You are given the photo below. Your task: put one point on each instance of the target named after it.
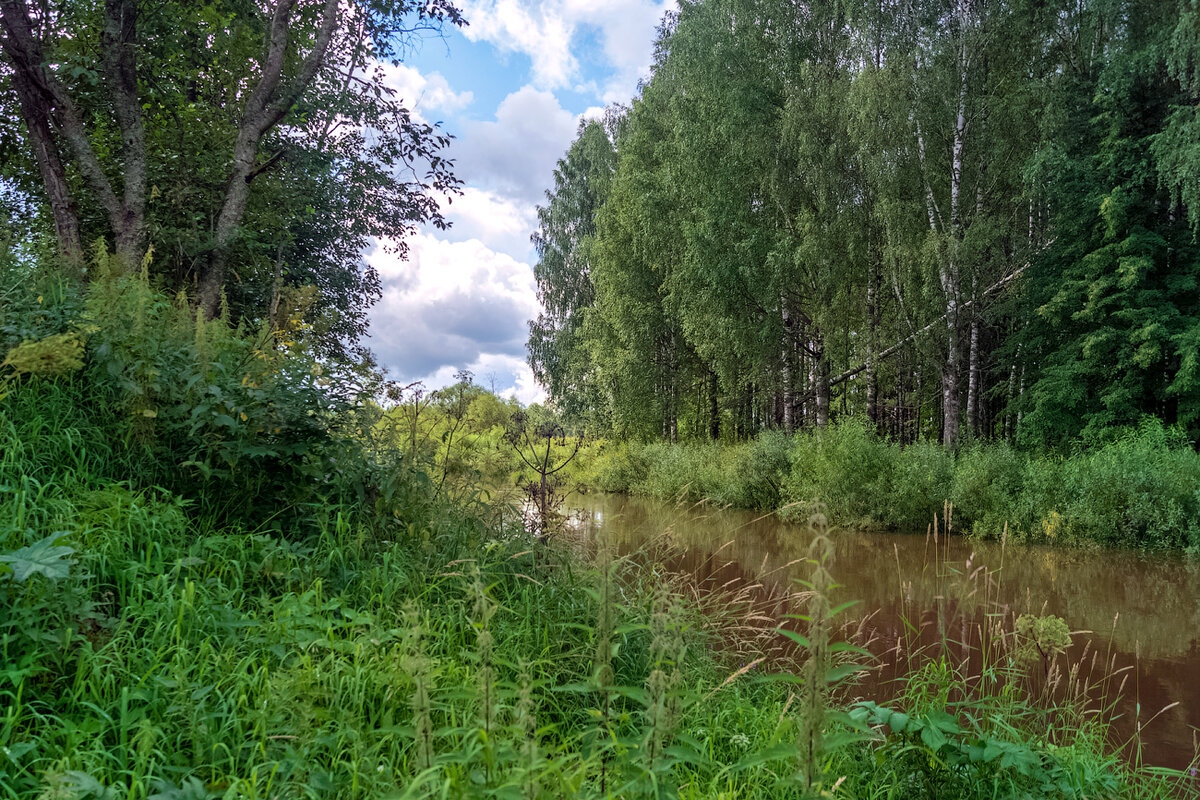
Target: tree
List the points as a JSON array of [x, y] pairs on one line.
[[186, 124], [564, 239]]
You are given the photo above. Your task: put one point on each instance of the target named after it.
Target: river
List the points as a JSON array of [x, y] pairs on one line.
[[1141, 611]]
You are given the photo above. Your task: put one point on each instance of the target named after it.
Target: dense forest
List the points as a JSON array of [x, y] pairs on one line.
[[957, 219]]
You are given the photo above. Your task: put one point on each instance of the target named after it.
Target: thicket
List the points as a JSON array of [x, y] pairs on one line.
[[1137, 488], [219, 579]]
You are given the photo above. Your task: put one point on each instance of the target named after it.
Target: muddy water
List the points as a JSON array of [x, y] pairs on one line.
[[1153, 600]]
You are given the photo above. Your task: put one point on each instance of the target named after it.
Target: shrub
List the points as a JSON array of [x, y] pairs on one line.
[[848, 468], [613, 467], [1140, 489], [921, 483], [988, 479], [753, 473]]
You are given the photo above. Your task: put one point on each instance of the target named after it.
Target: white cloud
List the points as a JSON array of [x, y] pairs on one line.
[[507, 376], [503, 224], [449, 305], [546, 32], [424, 93], [514, 155], [464, 297]]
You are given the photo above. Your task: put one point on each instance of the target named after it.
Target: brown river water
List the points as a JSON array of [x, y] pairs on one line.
[[1153, 599]]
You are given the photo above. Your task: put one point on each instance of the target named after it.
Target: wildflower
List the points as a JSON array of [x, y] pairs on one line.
[[740, 741]]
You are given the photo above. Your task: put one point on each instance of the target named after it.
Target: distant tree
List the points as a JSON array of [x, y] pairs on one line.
[[564, 238]]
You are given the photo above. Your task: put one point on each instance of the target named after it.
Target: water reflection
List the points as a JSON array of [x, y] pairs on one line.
[[1145, 607]]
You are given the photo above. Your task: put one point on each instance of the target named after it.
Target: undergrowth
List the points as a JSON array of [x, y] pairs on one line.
[[1137, 488], [215, 581]]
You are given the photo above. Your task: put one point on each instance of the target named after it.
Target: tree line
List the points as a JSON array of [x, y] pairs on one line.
[[958, 218]]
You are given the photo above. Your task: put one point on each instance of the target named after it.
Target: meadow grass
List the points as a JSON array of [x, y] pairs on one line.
[[244, 594]]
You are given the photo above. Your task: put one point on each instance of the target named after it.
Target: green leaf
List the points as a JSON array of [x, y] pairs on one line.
[[933, 737], [16, 751], [795, 637], [43, 557]]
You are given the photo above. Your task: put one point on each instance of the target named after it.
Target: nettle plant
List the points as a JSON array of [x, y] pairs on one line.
[[43, 605]]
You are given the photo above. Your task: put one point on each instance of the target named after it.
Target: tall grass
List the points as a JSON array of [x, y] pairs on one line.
[[1138, 488], [166, 633]]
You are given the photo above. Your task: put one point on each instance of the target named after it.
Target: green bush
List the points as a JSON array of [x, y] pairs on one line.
[[753, 473], [1143, 488], [988, 480], [848, 468], [612, 466]]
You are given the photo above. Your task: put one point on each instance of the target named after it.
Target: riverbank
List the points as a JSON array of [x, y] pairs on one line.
[[1137, 489], [428, 648], [1125, 605], [221, 577]]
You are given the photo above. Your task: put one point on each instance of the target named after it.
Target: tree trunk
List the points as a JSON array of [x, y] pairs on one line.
[[873, 342], [43, 143], [821, 384], [973, 379], [267, 104], [952, 367], [714, 412], [789, 421], [119, 44]]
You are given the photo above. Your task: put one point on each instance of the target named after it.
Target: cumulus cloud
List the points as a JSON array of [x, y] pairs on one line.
[[503, 224], [514, 154], [423, 94], [547, 32], [464, 297], [448, 306]]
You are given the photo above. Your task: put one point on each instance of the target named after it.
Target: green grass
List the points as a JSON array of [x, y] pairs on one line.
[[1138, 488], [242, 609]]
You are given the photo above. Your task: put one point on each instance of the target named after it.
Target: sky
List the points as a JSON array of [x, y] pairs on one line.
[[512, 87]]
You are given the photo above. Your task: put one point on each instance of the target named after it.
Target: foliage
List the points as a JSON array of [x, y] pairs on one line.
[[960, 221], [163, 97], [1136, 488]]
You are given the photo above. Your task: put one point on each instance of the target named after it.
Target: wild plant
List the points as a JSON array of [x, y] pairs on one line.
[[663, 702], [810, 743], [419, 667], [602, 670], [486, 700], [526, 730]]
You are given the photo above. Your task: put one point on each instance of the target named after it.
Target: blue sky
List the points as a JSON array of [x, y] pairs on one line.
[[511, 87]]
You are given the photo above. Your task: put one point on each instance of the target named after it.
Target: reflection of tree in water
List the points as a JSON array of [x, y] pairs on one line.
[[1153, 600]]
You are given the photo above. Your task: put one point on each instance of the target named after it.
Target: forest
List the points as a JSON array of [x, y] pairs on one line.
[[961, 221], [865, 269]]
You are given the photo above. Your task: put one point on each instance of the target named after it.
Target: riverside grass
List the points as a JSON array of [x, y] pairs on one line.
[[1136, 488], [171, 633], [177, 661]]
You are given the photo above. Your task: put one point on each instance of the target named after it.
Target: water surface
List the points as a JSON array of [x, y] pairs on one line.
[[1143, 609]]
